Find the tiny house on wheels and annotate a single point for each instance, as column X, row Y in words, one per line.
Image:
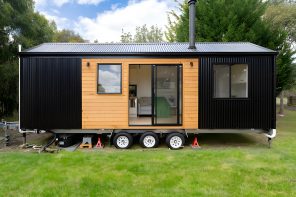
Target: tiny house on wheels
column 149, row 89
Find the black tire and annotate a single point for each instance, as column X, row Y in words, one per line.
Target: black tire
column 151, row 135
column 177, row 143
column 125, row 143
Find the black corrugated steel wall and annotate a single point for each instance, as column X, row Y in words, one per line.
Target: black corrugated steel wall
column 257, row 111
column 50, row 93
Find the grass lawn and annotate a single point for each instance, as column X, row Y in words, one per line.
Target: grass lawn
column 217, row 169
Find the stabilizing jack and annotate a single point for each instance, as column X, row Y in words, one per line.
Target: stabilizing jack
column 195, row 142
column 99, row 143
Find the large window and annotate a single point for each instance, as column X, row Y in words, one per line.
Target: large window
column 109, row 79
column 231, row 81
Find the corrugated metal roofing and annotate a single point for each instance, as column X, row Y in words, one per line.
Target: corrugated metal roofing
column 140, row 48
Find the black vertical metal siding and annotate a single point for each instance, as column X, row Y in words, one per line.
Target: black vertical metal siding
column 50, row 93
column 257, row 111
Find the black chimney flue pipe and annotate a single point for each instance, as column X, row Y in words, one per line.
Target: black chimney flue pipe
column 191, row 4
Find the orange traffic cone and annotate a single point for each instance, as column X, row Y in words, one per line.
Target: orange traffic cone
column 99, row 143
column 195, row 143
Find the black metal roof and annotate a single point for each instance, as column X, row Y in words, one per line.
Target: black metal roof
column 146, row 48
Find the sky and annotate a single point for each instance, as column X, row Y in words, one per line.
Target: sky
column 104, row 20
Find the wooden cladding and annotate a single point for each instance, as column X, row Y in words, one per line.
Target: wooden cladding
column 110, row 111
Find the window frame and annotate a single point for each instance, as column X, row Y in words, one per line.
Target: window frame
column 230, row 74
column 98, row 74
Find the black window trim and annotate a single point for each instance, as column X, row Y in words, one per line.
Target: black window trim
column 98, row 66
column 230, row 66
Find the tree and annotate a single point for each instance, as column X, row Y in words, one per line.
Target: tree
column 143, row 35
column 221, row 21
column 126, row 37
column 66, row 35
column 171, row 32
column 19, row 24
column 242, row 20
column 8, row 87
column 282, row 14
column 286, row 73
column 286, row 68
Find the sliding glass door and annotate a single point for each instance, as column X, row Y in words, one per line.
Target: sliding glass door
column 166, row 95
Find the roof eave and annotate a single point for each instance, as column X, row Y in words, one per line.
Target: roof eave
column 24, row 53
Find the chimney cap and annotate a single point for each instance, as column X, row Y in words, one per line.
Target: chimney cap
column 191, row 1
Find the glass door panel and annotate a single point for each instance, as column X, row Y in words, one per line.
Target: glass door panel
column 166, row 95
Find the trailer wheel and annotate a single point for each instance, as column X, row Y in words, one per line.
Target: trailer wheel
column 122, row 140
column 149, row 140
column 175, row 140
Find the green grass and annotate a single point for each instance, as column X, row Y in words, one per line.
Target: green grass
column 220, row 168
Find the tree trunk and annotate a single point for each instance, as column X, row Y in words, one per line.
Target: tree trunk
column 281, row 112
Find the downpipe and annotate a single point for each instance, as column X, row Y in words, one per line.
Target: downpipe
column 271, row 134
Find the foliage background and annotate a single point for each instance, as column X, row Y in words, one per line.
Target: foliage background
column 20, row 24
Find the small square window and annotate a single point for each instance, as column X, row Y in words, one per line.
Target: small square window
column 109, row 79
column 230, row 81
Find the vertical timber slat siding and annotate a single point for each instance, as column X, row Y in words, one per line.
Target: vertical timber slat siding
column 110, row 111
column 257, row 111
column 50, row 93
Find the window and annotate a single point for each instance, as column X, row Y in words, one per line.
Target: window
column 109, row 79
column 221, row 81
column 239, row 81
column 231, row 81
